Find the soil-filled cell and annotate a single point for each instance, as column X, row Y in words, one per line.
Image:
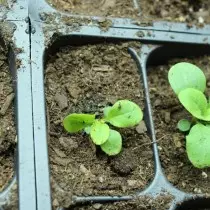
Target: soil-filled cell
column 190, row 11
column 85, row 79
column 113, row 8
column 7, row 125
column 167, row 111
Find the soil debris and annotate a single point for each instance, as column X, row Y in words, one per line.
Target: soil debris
column 112, row 8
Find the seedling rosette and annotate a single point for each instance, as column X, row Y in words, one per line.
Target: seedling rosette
column 122, row 114
column 189, row 84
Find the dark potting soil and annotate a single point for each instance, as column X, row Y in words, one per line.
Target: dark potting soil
column 190, row 11
column 116, row 8
column 162, row 202
column 167, row 111
column 85, row 79
column 7, row 125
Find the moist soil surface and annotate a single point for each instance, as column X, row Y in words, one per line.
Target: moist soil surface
column 116, row 8
column 7, row 126
column 190, row 11
column 167, row 111
column 85, row 79
column 144, row 203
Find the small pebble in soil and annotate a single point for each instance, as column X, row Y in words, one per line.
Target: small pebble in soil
column 157, row 102
column 167, row 117
column 141, row 128
column 61, row 100
column 135, row 183
column 177, row 142
column 97, row 206
column 55, row 202
column 204, row 175
column 183, row 184
column 101, row 179
column 74, row 91
column 200, row 20
column 85, row 171
column 59, row 152
column 68, row 143
column 197, row 190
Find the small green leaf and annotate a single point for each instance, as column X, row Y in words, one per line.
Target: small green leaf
column 87, row 129
column 184, row 125
column 198, row 146
column 186, row 75
column 207, row 125
column 76, row 122
column 99, row 132
column 195, row 102
column 106, row 110
column 124, row 113
column 113, row 145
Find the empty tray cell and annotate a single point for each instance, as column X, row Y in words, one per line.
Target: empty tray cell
column 195, row 204
column 190, row 11
column 161, row 202
column 7, row 124
column 167, row 111
column 114, row 8
column 85, row 79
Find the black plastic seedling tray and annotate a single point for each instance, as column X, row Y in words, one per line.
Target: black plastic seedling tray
column 39, row 30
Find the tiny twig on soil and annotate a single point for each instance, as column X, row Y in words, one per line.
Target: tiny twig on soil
column 7, row 103
column 150, row 143
column 54, row 134
column 81, row 184
column 48, row 121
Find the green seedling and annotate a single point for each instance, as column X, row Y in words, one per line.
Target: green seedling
column 189, row 84
column 184, row 125
column 122, row 114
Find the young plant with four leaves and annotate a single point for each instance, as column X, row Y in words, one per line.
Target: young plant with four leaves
column 189, row 84
column 122, row 114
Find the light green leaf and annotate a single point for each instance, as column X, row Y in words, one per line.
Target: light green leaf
column 106, row 110
column 124, row 113
column 198, row 146
column 195, row 102
column 184, row 125
column 87, row 129
column 207, row 125
column 76, row 122
column 113, row 145
column 99, row 132
column 186, row 75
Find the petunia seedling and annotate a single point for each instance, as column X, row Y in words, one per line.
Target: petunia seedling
column 189, row 84
column 122, row 114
